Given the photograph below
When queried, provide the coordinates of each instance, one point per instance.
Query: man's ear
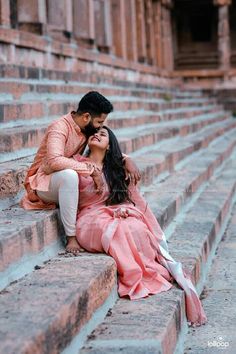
(87, 117)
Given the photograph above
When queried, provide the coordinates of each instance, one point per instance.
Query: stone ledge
(48, 45)
(13, 173)
(12, 139)
(45, 310)
(11, 110)
(22, 237)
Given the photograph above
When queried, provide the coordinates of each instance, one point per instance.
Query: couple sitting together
(100, 205)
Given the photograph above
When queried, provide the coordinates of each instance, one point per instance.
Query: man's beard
(89, 130)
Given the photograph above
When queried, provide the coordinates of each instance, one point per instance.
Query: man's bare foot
(73, 245)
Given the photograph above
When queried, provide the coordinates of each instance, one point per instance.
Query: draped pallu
(137, 244)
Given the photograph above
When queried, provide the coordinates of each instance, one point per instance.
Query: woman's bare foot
(73, 245)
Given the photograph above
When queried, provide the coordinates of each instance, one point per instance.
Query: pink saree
(138, 246)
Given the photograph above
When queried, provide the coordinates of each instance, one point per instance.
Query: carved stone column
(103, 33)
(141, 31)
(157, 33)
(123, 14)
(5, 13)
(83, 21)
(59, 19)
(118, 28)
(166, 29)
(150, 38)
(131, 36)
(31, 15)
(223, 33)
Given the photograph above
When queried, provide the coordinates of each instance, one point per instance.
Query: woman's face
(99, 139)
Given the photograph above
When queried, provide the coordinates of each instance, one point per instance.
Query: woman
(117, 220)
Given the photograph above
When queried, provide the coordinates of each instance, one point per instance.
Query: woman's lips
(95, 139)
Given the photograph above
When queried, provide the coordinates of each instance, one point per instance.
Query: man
(52, 179)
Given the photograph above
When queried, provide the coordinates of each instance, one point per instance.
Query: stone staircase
(184, 143)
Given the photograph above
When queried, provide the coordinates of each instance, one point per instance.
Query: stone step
(156, 324)
(13, 139)
(219, 332)
(170, 152)
(14, 72)
(174, 190)
(16, 89)
(26, 240)
(160, 158)
(32, 109)
(116, 120)
(119, 119)
(43, 311)
(73, 304)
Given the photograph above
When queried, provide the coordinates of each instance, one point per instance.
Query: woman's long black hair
(114, 171)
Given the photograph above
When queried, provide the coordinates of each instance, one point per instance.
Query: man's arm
(132, 169)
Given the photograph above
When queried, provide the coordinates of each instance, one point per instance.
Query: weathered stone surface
(12, 139)
(218, 300)
(25, 233)
(5, 13)
(149, 325)
(165, 198)
(145, 320)
(43, 311)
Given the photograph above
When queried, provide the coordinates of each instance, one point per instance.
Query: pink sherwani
(62, 140)
(136, 243)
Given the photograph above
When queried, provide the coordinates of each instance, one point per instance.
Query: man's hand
(98, 180)
(132, 171)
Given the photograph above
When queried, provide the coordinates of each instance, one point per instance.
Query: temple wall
(149, 39)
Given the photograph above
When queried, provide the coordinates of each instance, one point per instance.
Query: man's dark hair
(95, 104)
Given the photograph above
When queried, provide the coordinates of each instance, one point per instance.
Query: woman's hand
(98, 180)
(121, 213)
(132, 171)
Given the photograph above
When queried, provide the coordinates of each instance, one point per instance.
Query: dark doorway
(195, 32)
(232, 18)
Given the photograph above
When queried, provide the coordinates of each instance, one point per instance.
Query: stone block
(43, 311)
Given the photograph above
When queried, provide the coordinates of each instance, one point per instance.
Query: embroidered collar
(70, 119)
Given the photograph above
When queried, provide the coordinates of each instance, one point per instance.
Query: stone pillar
(31, 15)
(166, 29)
(157, 33)
(118, 28)
(59, 19)
(5, 13)
(123, 14)
(131, 36)
(141, 31)
(103, 33)
(150, 38)
(223, 33)
(83, 21)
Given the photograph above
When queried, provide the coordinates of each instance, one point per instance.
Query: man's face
(94, 124)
